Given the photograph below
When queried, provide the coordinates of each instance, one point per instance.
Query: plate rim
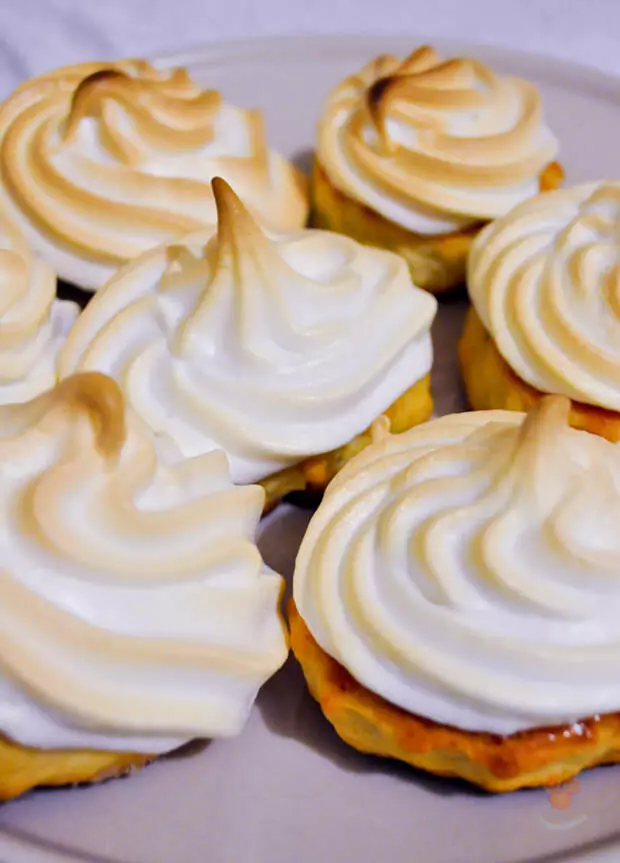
(295, 45)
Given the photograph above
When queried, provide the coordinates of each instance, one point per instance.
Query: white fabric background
(36, 35)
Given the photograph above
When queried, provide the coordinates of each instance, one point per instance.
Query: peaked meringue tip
(421, 57)
(101, 399)
(423, 68)
(88, 94)
(550, 411)
(380, 430)
(376, 103)
(233, 217)
(229, 204)
(542, 426)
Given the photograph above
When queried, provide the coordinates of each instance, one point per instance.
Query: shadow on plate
(289, 710)
(190, 750)
(287, 707)
(280, 535)
(51, 852)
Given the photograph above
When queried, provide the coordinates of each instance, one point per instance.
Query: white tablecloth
(36, 35)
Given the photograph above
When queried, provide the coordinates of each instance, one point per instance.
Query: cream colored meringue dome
(545, 283)
(100, 162)
(434, 145)
(136, 612)
(272, 347)
(468, 570)
(33, 323)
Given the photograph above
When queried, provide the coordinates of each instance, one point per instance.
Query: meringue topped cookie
(544, 285)
(272, 347)
(100, 162)
(434, 145)
(33, 323)
(467, 572)
(136, 612)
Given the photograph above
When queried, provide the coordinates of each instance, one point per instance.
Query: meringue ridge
(101, 162)
(464, 571)
(252, 341)
(137, 612)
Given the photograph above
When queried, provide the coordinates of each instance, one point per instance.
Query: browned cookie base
(436, 262)
(22, 769)
(313, 475)
(491, 384)
(369, 723)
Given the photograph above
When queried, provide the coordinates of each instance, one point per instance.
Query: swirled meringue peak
(545, 281)
(435, 145)
(468, 570)
(33, 323)
(135, 610)
(272, 347)
(99, 163)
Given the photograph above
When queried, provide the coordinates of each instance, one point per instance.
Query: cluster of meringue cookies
(455, 597)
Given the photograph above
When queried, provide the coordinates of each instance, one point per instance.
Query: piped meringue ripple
(273, 348)
(545, 282)
(468, 570)
(99, 163)
(435, 145)
(136, 612)
(33, 323)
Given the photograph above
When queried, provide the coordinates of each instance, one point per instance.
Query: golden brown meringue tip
(87, 97)
(422, 68)
(229, 204)
(138, 90)
(426, 66)
(233, 218)
(100, 399)
(548, 416)
(538, 440)
(138, 134)
(420, 59)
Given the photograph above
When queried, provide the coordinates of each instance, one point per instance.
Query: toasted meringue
(136, 612)
(100, 162)
(272, 347)
(434, 145)
(467, 571)
(545, 282)
(33, 323)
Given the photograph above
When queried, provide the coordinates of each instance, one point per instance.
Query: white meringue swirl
(99, 163)
(274, 348)
(435, 145)
(545, 282)
(33, 323)
(136, 612)
(468, 570)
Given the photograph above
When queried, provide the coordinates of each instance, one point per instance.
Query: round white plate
(287, 790)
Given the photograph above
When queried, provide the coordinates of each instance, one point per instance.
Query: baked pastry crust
(369, 723)
(491, 384)
(22, 768)
(436, 262)
(314, 474)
